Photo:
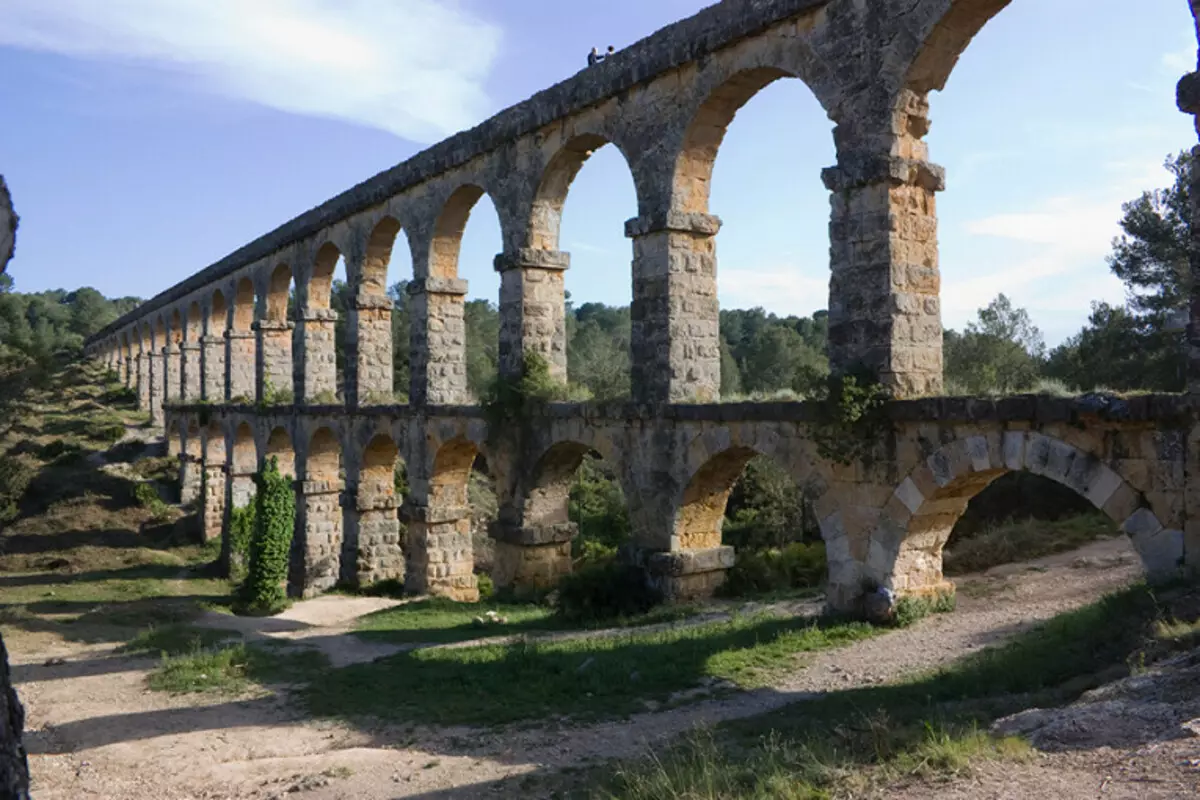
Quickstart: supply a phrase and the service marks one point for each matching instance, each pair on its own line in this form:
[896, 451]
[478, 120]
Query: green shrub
[911, 609]
[146, 495]
[58, 449]
[264, 591]
[597, 506]
[241, 531]
[797, 566]
[487, 589]
[605, 591]
[15, 476]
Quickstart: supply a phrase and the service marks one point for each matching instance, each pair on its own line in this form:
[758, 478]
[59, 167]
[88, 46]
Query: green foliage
[598, 340]
[796, 566]
[146, 495]
[1122, 351]
[1001, 352]
[911, 609]
[241, 533]
[264, 591]
[763, 354]
[978, 550]
[766, 509]
[852, 420]
[509, 403]
[605, 591]
[16, 473]
[233, 669]
[597, 506]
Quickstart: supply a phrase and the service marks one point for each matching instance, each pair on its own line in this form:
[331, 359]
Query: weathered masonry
[237, 378]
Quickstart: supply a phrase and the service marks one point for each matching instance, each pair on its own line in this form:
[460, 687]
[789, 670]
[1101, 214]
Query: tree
[1119, 350]
[1151, 256]
[1001, 351]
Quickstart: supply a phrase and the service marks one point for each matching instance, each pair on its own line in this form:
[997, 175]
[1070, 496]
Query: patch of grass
[234, 669]
[859, 742]
[796, 566]
[1022, 541]
[588, 677]
[605, 591]
[173, 640]
[439, 620]
[912, 609]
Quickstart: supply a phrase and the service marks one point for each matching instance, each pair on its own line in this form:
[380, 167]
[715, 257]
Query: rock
[14, 765]
[880, 606]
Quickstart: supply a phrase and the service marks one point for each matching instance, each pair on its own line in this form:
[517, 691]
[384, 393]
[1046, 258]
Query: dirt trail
[95, 731]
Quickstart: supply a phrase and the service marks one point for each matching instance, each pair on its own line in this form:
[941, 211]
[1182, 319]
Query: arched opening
[574, 485]
[159, 338]
[750, 502]
[194, 323]
[467, 238]
[242, 491]
[328, 297]
[279, 290]
[773, 278]
[176, 330]
[245, 451]
[586, 195]
[279, 447]
[381, 340]
[452, 473]
[907, 553]
[324, 457]
[320, 285]
[243, 305]
[218, 316]
[1037, 221]
[374, 538]
[213, 490]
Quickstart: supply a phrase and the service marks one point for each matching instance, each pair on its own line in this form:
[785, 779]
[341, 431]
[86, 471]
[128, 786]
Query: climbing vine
[241, 532]
[852, 418]
[264, 590]
[510, 403]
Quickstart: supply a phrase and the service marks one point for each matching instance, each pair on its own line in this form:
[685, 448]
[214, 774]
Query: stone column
[213, 493]
[369, 369]
[141, 378]
[441, 559]
[317, 545]
[438, 342]
[212, 368]
[533, 310]
[317, 358]
[241, 365]
[534, 557]
[274, 370]
[128, 371]
[676, 340]
[173, 375]
[371, 551]
[155, 387]
[884, 306]
[191, 371]
[191, 478]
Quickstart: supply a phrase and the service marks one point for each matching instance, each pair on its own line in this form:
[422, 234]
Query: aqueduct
[236, 377]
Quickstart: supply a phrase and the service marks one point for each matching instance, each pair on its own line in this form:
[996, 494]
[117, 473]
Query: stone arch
[193, 328]
[243, 304]
[545, 501]
[279, 285]
[706, 130]
[701, 509]
[245, 453]
[320, 282]
[448, 231]
[176, 330]
[323, 460]
[218, 312]
[452, 472]
[279, 445]
[373, 280]
[943, 30]
[145, 338]
[905, 551]
[158, 337]
[379, 459]
[551, 196]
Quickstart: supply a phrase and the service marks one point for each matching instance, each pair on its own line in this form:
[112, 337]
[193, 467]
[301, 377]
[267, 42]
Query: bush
[911, 609]
[241, 531]
[147, 496]
[797, 566]
[605, 591]
[487, 589]
[264, 591]
[15, 476]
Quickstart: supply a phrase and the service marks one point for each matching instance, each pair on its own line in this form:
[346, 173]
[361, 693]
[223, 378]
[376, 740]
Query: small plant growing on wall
[264, 590]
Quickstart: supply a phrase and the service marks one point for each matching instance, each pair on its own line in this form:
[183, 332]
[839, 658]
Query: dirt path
[95, 731]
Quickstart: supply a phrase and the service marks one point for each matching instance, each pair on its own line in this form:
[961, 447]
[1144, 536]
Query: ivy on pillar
[533, 309]
[438, 342]
[675, 335]
[884, 307]
[317, 358]
[275, 381]
[369, 374]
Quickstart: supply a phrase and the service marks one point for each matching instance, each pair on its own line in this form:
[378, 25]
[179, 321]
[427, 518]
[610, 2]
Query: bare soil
[95, 730]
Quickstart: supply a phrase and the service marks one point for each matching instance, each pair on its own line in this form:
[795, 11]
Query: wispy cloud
[778, 289]
[1180, 61]
[412, 67]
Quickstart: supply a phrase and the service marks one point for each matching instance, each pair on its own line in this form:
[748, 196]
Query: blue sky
[146, 139]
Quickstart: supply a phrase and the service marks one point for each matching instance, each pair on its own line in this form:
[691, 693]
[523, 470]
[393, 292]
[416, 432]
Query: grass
[1022, 541]
[860, 741]
[586, 678]
[174, 640]
[235, 669]
[441, 621]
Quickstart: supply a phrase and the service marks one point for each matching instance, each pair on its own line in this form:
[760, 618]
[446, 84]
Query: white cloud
[1180, 61]
[781, 290]
[412, 67]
